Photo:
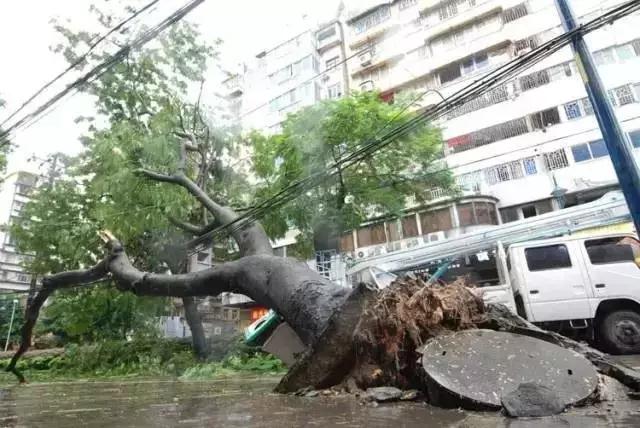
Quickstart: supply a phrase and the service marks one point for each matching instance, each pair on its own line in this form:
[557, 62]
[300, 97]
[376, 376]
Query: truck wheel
[620, 332]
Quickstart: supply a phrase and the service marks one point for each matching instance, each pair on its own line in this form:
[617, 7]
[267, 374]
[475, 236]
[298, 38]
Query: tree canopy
[146, 105]
[318, 136]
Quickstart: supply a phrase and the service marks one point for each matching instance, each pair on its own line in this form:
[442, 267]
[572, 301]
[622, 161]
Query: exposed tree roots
[402, 318]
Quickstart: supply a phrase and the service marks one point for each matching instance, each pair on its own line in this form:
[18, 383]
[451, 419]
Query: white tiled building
[509, 149]
[14, 194]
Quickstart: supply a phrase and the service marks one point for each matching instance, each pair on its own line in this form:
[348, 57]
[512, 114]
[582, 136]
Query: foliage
[142, 357]
[320, 135]
[4, 147]
[141, 103]
[6, 308]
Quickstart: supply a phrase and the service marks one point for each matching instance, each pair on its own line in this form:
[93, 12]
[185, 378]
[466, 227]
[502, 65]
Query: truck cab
[581, 286]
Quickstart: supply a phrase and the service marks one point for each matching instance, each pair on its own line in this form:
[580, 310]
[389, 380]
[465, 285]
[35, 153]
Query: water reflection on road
[248, 402]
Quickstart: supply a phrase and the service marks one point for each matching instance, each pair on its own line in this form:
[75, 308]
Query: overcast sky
[246, 26]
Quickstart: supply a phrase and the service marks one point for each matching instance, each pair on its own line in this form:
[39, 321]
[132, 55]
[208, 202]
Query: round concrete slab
[483, 365]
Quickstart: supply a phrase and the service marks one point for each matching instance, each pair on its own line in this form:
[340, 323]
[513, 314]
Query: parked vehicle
[582, 286]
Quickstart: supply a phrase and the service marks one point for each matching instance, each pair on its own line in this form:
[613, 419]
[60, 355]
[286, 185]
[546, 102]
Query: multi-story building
[297, 73]
[536, 132]
[14, 194]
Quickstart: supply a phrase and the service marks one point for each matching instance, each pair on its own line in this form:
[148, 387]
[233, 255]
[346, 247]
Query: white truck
[587, 287]
[580, 286]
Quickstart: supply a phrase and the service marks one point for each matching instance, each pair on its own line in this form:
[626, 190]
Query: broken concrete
[474, 369]
[532, 400]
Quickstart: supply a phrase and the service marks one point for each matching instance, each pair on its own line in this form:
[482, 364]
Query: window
[573, 110]
[604, 57]
[334, 91]
[624, 95]
[546, 258]
[450, 73]
[202, 256]
[555, 160]
[625, 52]
[406, 3]
[465, 214]
[634, 136]
[534, 80]
[581, 152]
[372, 19]
[332, 63]
[529, 211]
[598, 149]
[330, 32]
[436, 221]
[587, 107]
[591, 150]
[509, 214]
[612, 250]
[371, 235]
[545, 118]
[530, 167]
[514, 13]
[409, 226]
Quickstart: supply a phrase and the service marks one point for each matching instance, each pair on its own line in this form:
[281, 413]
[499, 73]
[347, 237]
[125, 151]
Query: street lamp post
[13, 312]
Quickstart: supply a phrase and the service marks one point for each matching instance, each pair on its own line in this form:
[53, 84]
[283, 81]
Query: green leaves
[320, 135]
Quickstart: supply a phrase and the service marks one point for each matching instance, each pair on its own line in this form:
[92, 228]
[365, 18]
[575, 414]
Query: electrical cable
[104, 66]
[467, 93]
[80, 59]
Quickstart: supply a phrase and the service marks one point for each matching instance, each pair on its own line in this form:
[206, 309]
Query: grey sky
[246, 26]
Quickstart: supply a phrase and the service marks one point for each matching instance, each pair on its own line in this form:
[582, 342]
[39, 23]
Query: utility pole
[615, 138]
[13, 313]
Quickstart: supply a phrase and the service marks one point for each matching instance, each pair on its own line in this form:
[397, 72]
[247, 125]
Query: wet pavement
[248, 402]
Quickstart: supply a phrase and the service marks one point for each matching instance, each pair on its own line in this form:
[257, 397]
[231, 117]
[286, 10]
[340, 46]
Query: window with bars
[504, 172]
[545, 118]
[573, 110]
[555, 160]
[530, 167]
[624, 94]
[373, 19]
[587, 107]
[514, 13]
[403, 4]
[534, 80]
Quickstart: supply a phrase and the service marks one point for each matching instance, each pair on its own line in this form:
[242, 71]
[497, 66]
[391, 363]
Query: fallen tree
[373, 337]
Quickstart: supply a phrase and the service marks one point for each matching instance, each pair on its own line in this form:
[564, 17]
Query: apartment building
[296, 73]
[530, 145]
[14, 194]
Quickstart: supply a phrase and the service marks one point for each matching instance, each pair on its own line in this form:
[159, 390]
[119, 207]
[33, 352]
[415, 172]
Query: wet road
[248, 402]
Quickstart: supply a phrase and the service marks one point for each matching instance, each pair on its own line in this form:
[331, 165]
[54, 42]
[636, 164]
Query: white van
[580, 286]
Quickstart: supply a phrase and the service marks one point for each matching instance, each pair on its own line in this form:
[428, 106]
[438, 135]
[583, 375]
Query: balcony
[328, 38]
[234, 86]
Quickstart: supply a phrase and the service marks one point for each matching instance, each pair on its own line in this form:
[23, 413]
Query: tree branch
[252, 239]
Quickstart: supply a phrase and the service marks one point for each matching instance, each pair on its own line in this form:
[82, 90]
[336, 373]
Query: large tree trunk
[194, 321]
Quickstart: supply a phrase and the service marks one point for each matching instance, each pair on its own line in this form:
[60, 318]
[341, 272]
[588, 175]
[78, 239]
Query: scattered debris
[401, 319]
[383, 394]
[532, 400]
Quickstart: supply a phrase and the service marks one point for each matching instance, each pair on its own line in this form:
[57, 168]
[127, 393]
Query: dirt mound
[401, 319]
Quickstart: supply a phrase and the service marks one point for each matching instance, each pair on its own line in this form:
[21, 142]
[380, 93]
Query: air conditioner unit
[436, 236]
[360, 254]
[365, 58]
[412, 243]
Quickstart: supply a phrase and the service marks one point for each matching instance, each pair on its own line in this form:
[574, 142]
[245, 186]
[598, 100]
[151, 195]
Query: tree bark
[194, 321]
